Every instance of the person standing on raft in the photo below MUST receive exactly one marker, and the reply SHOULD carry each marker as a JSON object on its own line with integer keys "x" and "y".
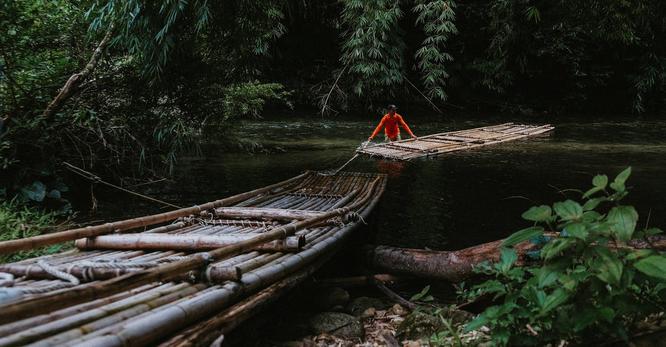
{"x": 391, "y": 122}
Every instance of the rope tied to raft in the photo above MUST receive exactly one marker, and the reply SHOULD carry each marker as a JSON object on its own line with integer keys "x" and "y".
{"x": 67, "y": 281}
{"x": 96, "y": 179}
{"x": 6, "y": 279}
{"x": 127, "y": 264}
{"x": 53, "y": 271}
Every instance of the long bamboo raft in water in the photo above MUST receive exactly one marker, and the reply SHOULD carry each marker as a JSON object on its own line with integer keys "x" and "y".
{"x": 438, "y": 144}
{"x": 180, "y": 278}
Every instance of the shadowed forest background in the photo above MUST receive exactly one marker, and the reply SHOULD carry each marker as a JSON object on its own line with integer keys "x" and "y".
{"x": 173, "y": 73}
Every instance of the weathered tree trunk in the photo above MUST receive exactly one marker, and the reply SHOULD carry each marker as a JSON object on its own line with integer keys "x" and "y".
{"x": 456, "y": 266}
{"x": 76, "y": 79}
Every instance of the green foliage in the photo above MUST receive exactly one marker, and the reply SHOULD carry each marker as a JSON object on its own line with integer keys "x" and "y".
{"x": 18, "y": 221}
{"x": 437, "y": 18}
{"x": 586, "y": 286}
{"x": 148, "y": 30}
{"x": 570, "y": 50}
{"x": 423, "y": 295}
{"x": 249, "y": 98}
{"x": 373, "y": 46}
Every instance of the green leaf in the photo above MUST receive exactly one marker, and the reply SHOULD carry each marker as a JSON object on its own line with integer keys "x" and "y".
{"x": 606, "y": 313}
{"x": 623, "y": 222}
{"x": 591, "y": 191}
{"x": 568, "y": 210}
{"x": 35, "y": 192}
{"x": 639, "y": 253}
{"x": 558, "y": 297}
{"x": 600, "y": 181}
{"x": 477, "y": 323}
{"x": 522, "y": 235}
{"x": 422, "y": 294}
{"x": 538, "y": 213}
{"x": 593, "y": 203}
{"x": 654, "y": 266}
{"x": 507, "y": 258}
{"x": 608, "y": 266}
{"x": 555, "y": 247}
{"x": 577, "y": 230}
{"x": 618, "y": 183}
{"x": 546, "y": 276}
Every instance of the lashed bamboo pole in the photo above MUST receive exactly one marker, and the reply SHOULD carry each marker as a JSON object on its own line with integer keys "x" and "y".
{"x": 264, "y": 213}
{"x": 56, "y": 326}
{"x": 186, "y": 242}
{"x": 219, "y": 274}
{"x": 204, "y": 333}
{"x": 41, "y": 320}
{"x": 99, "y": 326}
{"x": 145, "y": 330}
{"x": 58, "y": 299}
{"x": 73, "y": 234}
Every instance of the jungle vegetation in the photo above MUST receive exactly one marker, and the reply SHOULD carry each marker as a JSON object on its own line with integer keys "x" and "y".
{"x": 141, "y": 82}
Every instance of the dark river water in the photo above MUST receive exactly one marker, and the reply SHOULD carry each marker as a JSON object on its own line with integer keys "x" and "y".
{"x": 450, "y": 202}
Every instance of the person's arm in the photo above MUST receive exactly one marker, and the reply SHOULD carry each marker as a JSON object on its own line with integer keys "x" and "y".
{"x": 377, "y": 129}
{"x": 406, "y": 127}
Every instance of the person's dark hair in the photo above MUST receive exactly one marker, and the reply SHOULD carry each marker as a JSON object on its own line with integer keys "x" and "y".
{"x": 392, "y": 107}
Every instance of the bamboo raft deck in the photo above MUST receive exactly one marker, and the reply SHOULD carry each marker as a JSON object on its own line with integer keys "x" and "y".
{"x": 180, "y": 278}
{"x": 438, "y": 144}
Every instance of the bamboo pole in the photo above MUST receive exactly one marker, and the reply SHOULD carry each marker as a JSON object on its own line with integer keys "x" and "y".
{"x": 103, "y": 323}
{"x": 21, "y": 325}
{"x": 56, "y": 326}
{"x": 204, "y": 333}
{"x": 187, "y": 242}
{"x": 264, "y": 213}
{"x": 73, "y": 234}
{"x": 89, "y": 291}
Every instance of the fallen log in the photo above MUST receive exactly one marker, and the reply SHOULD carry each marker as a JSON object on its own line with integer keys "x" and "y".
{"x": 458, "y": 265}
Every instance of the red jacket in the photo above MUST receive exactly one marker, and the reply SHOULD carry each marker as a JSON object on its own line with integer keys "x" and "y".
{"x": 391, "y": 126}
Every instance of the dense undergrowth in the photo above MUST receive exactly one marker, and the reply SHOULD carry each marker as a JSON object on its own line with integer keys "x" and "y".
{"x": 17, "y": 221}
{"x": 585, "y": 284}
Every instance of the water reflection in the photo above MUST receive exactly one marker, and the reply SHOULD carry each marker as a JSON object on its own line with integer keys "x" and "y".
{"x": 391, "y": 168}
{"x": 454, "y": 201}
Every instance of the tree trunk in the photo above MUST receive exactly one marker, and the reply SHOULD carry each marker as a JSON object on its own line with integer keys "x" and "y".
{"x": 456, "y": 266}
{"x": 76, "y": 79}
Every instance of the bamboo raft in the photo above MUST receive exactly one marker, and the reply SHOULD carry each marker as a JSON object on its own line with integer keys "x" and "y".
{"x": 438, "y": 144}
{"x": 180, "y": 278}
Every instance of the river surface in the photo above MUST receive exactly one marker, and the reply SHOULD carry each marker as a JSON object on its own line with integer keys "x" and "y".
{"x": 449, "y": 202}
